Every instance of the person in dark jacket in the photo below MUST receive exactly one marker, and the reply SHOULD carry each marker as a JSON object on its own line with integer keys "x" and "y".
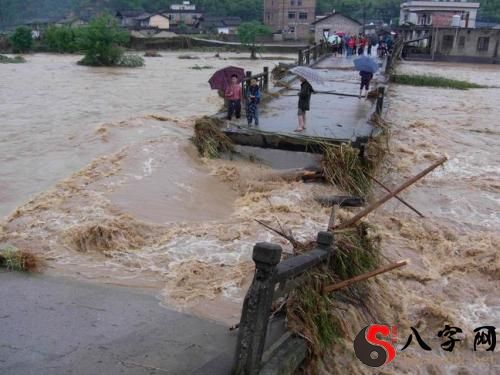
{"x": 252, "y": 96}
{"x": 305, "y": 93}
{"x": 366, "y": 77}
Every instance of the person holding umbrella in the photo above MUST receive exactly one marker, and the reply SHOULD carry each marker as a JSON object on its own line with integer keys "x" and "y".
{"x": 366, "y": 67}
{"x": 366, "y": 78}
{"x": 226, "y": 81}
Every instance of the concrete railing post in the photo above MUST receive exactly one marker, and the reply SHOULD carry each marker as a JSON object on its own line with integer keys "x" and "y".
{"x": 315, "y": 51}
{"x": 301, "y": 58}
{"x": 266, "y": 78}
{"x": 308, "y": 56}
{"x": 380, "y": 100}
{"x": 256, "y": 310}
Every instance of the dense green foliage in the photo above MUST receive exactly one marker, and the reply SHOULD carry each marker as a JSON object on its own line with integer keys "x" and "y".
{"x": 17, "y": 11}
{"x": 433, "y": 81}
{"x": 248, "y": 32}
{"x": 61, "y": 39}
{"x": 101, "y": 42}
{"x": 11, "y": 60}
{"x": 21, "y": 40}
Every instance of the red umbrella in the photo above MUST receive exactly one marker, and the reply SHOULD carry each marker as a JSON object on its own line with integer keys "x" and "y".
{"x": 221, "y": 78}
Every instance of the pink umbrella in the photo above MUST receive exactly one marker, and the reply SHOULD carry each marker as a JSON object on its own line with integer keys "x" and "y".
{"x": 221, "y": 78}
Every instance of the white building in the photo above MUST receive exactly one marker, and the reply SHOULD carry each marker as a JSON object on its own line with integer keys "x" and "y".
{"x": 438, "y": 13}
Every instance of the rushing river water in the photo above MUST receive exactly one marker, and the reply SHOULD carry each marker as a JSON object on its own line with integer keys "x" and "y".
{"x": 51, "y": 108}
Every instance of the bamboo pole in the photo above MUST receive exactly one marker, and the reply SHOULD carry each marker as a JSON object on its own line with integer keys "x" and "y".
{"x": 346, "y": 283}
{"x": 380, "y": 202}
{"x": 398, "y": 198}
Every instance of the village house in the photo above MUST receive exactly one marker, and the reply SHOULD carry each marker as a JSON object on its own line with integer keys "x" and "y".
{"x": 335, "y": 23}
{"x": 156, "y": 21}
{"x": 185, "y": 13}
{"x": 453, "y": 44}
{"x": 439, "y": 13}
{"x": 291, "y": 18}
{"x": 220, "y": 25}
{"x": 129, "y": 18}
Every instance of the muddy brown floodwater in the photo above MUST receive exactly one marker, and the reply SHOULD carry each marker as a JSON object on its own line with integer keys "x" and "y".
{"x": 454, "y": 276}
{"x": 100, "y": 179}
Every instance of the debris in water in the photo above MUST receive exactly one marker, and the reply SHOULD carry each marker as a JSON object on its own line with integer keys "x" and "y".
{"x": 17, "y": 260}
{"x": 209, "y": 139}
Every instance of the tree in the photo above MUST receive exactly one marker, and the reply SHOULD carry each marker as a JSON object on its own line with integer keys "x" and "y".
{"x": 248, "y": 32}
{"x": 101, "y": 41}
{"x": 21, "y": 40}
{"x": 60, "y": 39}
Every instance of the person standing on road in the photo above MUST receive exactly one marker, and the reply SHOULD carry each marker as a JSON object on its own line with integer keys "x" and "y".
{"x": 305, "y": 93}
{"x": 233, "y": 95}
{"x": 366, "y": 78}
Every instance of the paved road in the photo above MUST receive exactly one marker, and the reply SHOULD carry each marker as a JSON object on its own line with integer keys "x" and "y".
{"x": 331, "y": 116}
{"x": 60, "y": 326}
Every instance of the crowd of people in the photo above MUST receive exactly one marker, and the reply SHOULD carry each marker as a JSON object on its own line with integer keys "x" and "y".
{"x": 352, "y": 45}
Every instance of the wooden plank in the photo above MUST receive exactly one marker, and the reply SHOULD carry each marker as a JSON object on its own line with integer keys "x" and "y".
{"x": 366, "y": 276}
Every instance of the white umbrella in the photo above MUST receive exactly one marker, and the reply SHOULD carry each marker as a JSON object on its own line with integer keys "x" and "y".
{"x": 310, "y": 75}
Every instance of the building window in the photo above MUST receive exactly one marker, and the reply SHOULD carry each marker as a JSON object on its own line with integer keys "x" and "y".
{"x": 291, "y": 15}
{"x": 292, "y": 2}
{"x": 483, "y": 43}
{"x": 464, "y": 16}
{"x": 291, "y": 29}
{"x": 461, "y": 42}
{"x": 447, "y": 41}
{"x": 302, "y": 16}
{"x": 299, "y": 3}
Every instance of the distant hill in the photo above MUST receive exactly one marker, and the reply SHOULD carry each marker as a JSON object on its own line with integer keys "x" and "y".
{"x": 14, "y": 12}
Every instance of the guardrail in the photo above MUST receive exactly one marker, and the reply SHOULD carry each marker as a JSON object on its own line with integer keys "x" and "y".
{"x": 270, "y": 272}
{"x": 313, "y": 53}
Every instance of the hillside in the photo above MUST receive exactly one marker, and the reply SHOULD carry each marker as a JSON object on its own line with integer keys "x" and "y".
{"x": 17, "y": 11}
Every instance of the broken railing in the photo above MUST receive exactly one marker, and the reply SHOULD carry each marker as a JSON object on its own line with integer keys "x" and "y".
{"x": 313, "y": 53}
{"x": 272, "y": 279}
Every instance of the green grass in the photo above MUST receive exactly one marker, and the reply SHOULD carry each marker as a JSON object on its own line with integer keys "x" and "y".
{"x": 11, "y": 60}
{"x": 310, "y": 313}
{"x": 433, "y": 81}
{"x": 15, "y": 260}
{"x": 357, "y": 253}
{"x": 201, "y": 67}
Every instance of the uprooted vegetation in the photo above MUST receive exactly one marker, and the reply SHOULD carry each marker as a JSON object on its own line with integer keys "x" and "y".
{"x": 208, "y": 138}
{"x": 310, "y": 312}
{"x": 14, "y": 259}
{"x": 11, "y": 60}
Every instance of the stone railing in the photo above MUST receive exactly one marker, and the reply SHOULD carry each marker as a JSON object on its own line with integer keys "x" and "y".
{"x": 273, "y": 278}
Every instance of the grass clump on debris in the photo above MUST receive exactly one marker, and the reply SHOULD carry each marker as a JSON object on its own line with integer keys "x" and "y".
{"x": 433, "y": 81}
{"x": 16, "y": 260}
{"x": 344, "y": 168}
{"x": 201, "y": 67}
{"x": 209, "y": 139}
{"x": 310, "y": 312}
{"x": 12, "y": 60}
